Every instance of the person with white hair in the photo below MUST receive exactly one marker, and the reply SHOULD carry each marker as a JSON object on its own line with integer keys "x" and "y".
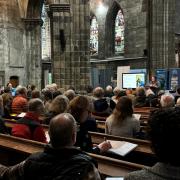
{"x": 116, "y": 92}
{"x": 108, "y": 91}
{"x": 167, "y": 100}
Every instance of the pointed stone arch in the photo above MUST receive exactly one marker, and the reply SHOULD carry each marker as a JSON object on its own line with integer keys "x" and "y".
{"x": 34, "y": 8}
{"x": 110, "y": 29}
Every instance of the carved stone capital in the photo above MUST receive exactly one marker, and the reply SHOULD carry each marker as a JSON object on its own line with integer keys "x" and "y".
{"x": 58, "y": 8}
{"x": 31, "y": 23}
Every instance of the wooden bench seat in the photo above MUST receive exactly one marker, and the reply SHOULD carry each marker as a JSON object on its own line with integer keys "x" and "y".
{"x": 13, "y": 147}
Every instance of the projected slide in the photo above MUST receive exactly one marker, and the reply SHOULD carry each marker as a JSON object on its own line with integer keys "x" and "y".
{"x": 133, "y": 80}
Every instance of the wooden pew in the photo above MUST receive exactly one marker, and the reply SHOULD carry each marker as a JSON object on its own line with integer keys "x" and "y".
{"x": 143, "y": 145}
{"x": 142, "y": 154}
{"x": 21, "y": 148}
{"x": 11, "y": 122}
{"x": 143, "y": 119}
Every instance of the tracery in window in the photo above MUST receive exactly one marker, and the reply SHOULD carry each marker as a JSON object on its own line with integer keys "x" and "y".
{"x": 94, "y": 36}
{"x": 119, "y": 33}
{"x": 45, "y": 34}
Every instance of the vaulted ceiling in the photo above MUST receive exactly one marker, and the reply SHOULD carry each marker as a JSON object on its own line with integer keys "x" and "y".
{"x": 30, "y": 8}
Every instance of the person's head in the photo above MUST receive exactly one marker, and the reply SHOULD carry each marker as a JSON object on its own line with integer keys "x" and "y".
{"x": 178, "y": 102}
{"x": 32, "y": 87}
{"x": 128, "y": 91}
{"x": 153, "y": 78}
{"x": 116, "y": 91}
{"x": 47, "y": 94}
{"x": 140, "y": 91}
{"x": 149, "y": 92}
{"x": 109, "y": 89}
{"x": 98, "y": 92}
{"x": 36, "y": 94}
{"x": 59, "y": 104}
{"x": 56, "y": 93}
{"x": 7, "y": 89}
{"x": 164, "y": 130}
{"x": 79, "y": 108}
{"x": 167, "y": 100}
{"x": 20, "y": 90}
{"x": 70, "y": 94}
{"x": 62, "y": 130}
{"x": 89, "y": 89}
{"x": 9, "y": 85}
{"x": 36, "y": 106}
{"x": 123, "y": 108}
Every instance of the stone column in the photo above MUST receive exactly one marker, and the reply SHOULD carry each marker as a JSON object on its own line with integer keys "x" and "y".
{"x": 162, "y": 42}
{"x": 33, "y": 49}
{"x": 70, "y": 43}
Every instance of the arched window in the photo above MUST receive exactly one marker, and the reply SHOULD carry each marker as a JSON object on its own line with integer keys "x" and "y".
{"x": 45, "y": 34}
{"x": 94, "y": 36}
{"x": 119, "y": 33}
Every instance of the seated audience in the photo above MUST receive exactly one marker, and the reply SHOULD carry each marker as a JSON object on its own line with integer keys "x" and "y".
{"x": 167, "y": 100}
{"x": 177, "y": 94}
{"x": 140, "y": 99}
{"x": 116, "y": 91}
{"x": 129, "y": 94}
{"x": 79, "y": 108}
{"x": 47, "y": 96}
{"x": 60, "y": 159}
{"x": 70, "y": 94}
{"x": 108, "y": 91}
{"x": 7, "y": 101}
{"x": 164, "y": 129}
{"x": 1, "y": 106}
{"x": 19, "y": 103}
{"x": 122, "y": 122}
{"x": 58, "y": 105}
{"x": 3, "y": 128}
{"x": 30, "y": 88}
{"x": 35, "y": 94}
{"x": 150, "y": 96}
{"x": 102, "y": 105}
{"x": 178, "y": 102}
{"x": 29, "y": 126}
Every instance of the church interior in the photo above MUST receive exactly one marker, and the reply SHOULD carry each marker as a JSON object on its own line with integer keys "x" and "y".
{"x": 78, "y": 43}
{"x": 95, "y": 62}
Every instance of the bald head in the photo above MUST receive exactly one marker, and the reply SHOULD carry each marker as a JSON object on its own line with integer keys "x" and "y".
{"x": 62, "y": 130}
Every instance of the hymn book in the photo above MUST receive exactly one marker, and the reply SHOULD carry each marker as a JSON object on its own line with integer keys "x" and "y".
{"x": 121, "y": 147}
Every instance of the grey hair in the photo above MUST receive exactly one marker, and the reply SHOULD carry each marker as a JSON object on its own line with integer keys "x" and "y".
{"x": 167, "y": 100}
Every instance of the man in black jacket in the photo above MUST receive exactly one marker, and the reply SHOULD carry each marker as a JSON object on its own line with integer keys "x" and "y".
{"x": 60, "y": 159}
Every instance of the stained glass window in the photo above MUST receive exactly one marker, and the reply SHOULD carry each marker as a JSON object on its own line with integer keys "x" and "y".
{"x": 94, "y": 36}
{"x": 119, "y": 33}
{"x": 45, "y": 34}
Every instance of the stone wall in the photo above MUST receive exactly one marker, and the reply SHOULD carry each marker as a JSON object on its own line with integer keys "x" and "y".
{"x": 70, "y": 43}
{"x": 162, "y": 37}
{"x": 12, "y": 42}
{"x": 20, "y": 43}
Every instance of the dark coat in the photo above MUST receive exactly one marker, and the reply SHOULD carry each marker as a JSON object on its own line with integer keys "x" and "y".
{"x": 57, "y": 164}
